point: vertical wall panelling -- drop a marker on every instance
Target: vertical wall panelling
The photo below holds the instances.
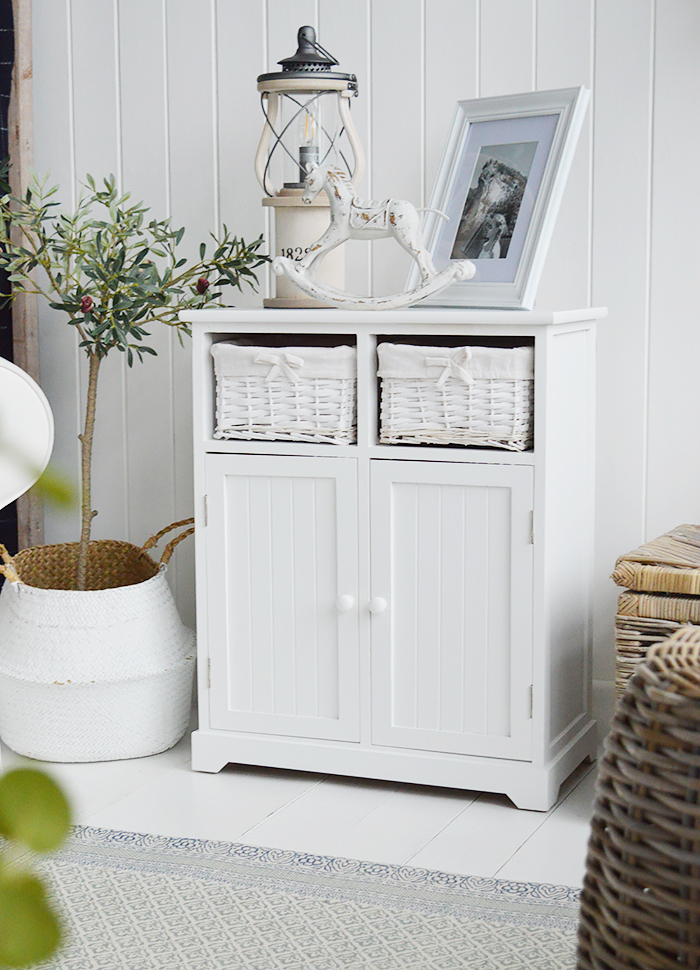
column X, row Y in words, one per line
column 507, row 47
column 240, row 41
column 563, row 43
column 144, row 153
column 397, row 136
column 673, row 467
column 623, row 93
column 95, row 87
column 53, row 153
column 564, row 49
column 191, row 115
column 346, row 39
column 284, row 20
column 451, row 73
column 96, row 147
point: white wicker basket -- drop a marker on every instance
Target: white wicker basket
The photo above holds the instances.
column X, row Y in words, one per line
column 456, row 395
column 285, row 393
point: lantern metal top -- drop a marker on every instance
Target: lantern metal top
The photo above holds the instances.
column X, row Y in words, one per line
column 310, row 59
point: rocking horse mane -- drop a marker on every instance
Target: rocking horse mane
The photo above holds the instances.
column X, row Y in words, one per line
column 327, row 167
column 330, row 168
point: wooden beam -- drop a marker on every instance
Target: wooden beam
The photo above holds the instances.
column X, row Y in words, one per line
column 25, row 334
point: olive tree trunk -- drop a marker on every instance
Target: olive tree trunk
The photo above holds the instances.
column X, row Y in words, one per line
column 87, row 512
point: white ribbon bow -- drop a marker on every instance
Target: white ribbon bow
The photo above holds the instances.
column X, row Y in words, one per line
column 453, row 366
column 281, row 363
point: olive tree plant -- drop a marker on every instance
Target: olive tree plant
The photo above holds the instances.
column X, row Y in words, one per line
column 114, row 273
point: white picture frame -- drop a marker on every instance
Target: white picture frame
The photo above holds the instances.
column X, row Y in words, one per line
column 500, row 182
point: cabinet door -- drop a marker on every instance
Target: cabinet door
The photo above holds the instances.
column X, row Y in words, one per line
column 281, row 549
column 452, row 651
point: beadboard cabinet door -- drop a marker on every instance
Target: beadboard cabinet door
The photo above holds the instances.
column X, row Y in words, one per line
column 282, row 595
column 452, row 649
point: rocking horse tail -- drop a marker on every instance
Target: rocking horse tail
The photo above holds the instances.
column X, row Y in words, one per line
column 437, row 212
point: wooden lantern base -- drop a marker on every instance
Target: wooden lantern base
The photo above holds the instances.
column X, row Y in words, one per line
column 297, row 226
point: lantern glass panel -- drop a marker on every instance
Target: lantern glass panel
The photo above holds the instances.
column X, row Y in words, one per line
column 308, row 131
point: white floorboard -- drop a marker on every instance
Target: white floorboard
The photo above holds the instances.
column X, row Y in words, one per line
column 187, row 804
column 405, row 822
column 556, row 851
column 385, row 822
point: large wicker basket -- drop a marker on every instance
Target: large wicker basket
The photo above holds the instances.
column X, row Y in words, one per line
column 456, row 395
column 98, row 674
column 640, row 904
column 669, row 564
column 634, row 635
column 662, row 580
column 285, row 393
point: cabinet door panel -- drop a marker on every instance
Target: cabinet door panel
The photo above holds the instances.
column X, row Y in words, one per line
column 281, row 548
column 452, row 653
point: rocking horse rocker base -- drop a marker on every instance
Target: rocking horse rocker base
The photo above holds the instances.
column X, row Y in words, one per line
column 302, row 277
column 352, row 218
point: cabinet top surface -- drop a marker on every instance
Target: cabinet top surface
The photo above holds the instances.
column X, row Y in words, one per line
column 375, row 320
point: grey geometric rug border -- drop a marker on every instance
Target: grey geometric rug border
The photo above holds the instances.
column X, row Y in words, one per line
column 319, row 875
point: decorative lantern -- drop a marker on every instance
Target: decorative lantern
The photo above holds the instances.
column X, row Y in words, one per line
column 307, row 122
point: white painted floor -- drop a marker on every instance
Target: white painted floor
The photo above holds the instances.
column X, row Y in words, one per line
column 434, row 828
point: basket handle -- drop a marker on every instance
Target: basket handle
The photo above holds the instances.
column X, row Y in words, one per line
column 170, row 548
column 8, row 569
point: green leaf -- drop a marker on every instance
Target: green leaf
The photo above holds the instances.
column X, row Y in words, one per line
column 29, row 929
column 33, row 809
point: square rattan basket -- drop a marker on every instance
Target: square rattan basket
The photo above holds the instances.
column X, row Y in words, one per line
column 285, row 393
column 662, row 580
column 479, row 396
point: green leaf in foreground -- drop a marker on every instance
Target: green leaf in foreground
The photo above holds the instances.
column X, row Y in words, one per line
column 33, row 810
column 29, row 930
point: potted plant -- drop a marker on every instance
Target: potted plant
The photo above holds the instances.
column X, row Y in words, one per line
column 76, row 616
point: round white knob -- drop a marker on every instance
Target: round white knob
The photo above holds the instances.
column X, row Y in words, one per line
column 344, row 603
column 377, row 604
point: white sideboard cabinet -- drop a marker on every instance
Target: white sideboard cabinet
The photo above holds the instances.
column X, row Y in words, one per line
column 411, row 612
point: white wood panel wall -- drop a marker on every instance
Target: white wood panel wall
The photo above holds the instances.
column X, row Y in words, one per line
column 163, row 94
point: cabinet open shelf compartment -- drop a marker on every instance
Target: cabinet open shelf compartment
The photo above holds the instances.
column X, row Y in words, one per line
column 270, row 390
column 456, row 392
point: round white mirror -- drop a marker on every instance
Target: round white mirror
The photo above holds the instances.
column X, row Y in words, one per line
column 26, row 432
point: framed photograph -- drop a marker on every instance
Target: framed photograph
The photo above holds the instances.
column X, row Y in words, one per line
column 500, row 183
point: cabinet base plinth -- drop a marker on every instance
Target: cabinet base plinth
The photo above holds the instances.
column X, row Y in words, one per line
column 527, row 785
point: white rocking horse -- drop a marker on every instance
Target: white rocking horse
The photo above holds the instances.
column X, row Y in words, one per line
column 353, row 218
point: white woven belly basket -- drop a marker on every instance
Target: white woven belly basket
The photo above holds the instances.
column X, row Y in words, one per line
column 96, row 674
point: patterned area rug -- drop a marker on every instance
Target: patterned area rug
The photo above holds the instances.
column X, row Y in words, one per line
column 142, row 902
